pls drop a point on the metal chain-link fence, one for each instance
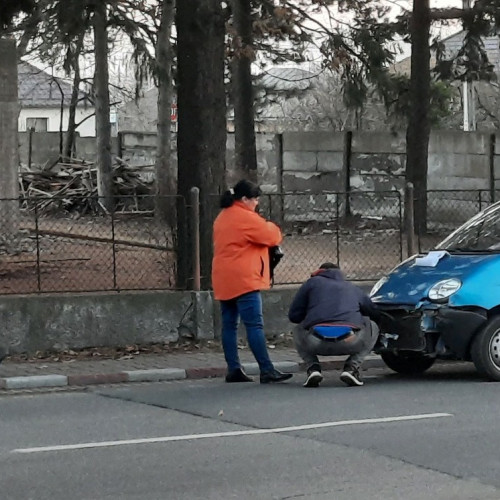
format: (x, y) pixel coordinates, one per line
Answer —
(361, 232)
(72, 244)
(447, 210)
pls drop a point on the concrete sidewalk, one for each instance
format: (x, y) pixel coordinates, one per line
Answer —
(146, 367)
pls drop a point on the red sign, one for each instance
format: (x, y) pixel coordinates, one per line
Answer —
(173, 112)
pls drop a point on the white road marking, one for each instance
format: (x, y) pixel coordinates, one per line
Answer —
(249, 432)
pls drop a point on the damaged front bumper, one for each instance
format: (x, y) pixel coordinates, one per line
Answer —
(434, 330)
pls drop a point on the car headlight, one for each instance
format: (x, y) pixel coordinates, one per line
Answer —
(378, 285)
(444, 289)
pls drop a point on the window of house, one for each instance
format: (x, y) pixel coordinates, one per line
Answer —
(38, 124)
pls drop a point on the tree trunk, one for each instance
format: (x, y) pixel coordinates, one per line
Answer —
(201, 139)
(166, 184)
(418, 131)
(103, 126)
(242, 91)
(75, 65)
(9, 159)
(70, 133)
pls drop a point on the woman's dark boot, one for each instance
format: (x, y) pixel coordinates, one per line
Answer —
(274, 376)
(238, 375)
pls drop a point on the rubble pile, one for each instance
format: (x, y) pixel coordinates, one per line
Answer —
(73, 187)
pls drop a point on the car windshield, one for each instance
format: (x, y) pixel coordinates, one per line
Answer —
(479, 234)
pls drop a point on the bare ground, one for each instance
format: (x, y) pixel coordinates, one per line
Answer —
(140, 258)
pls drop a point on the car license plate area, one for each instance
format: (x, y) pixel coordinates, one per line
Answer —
(406, 327)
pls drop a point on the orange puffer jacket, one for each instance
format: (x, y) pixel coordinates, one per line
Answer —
(241, 256)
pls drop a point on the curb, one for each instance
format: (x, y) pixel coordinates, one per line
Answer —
(157, 375)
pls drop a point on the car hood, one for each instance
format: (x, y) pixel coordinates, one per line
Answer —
(409, 283)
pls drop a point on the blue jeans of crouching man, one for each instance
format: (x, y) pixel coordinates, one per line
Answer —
(357, 346)
(248, 307)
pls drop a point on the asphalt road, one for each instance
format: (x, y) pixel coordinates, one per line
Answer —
(395, 438)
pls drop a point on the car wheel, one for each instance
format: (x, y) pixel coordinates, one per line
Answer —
(485, 351)
(407, 364)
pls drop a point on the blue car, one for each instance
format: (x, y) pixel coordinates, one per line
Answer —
(445, 304)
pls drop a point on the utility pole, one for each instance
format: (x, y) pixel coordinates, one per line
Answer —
(469, 108)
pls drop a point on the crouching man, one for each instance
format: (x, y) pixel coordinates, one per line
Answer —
(335, 318)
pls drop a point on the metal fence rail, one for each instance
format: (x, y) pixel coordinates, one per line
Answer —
(71, 244)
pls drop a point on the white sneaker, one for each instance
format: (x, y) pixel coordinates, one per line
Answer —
(313, 379)
(351, 378)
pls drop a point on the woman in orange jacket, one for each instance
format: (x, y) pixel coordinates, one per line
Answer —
(240, 269)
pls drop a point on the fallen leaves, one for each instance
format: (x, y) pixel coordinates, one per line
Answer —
(130, 351)
(120, 352)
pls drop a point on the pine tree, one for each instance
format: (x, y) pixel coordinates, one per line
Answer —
(201, 139)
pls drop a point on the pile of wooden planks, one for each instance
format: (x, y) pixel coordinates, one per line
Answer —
(73, 187)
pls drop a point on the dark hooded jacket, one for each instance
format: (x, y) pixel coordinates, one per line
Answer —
(327, 297)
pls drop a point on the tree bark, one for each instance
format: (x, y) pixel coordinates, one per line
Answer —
(242, 91)
(201, 139)
(70, 133)
(103, 126)
(418, 131)
(9, 159)
(166, 184)
(75, 95)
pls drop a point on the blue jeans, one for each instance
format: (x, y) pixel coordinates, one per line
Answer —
(249, 308)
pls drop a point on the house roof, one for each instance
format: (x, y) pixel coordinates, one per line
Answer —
(453, 44)
(38, 89)
(282, 79)
(278, 81)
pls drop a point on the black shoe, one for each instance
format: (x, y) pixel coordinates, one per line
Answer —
(351, 378)
(313, 379)
(238, 376)
(274, 376)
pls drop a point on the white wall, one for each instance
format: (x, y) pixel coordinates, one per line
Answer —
(86, 129)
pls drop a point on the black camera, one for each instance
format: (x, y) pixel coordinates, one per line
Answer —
(275, 255)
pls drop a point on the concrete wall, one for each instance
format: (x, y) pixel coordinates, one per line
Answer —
(459, 160)
(141, 115)
(139, 149)
(378, 161)
(45, 148)
(30, 323)
(315, 161)
(58, 322)
(268, 161)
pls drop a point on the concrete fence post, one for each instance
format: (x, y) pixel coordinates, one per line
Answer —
(280, 201)
(347, 156)
(119, 145)
(30, 146)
